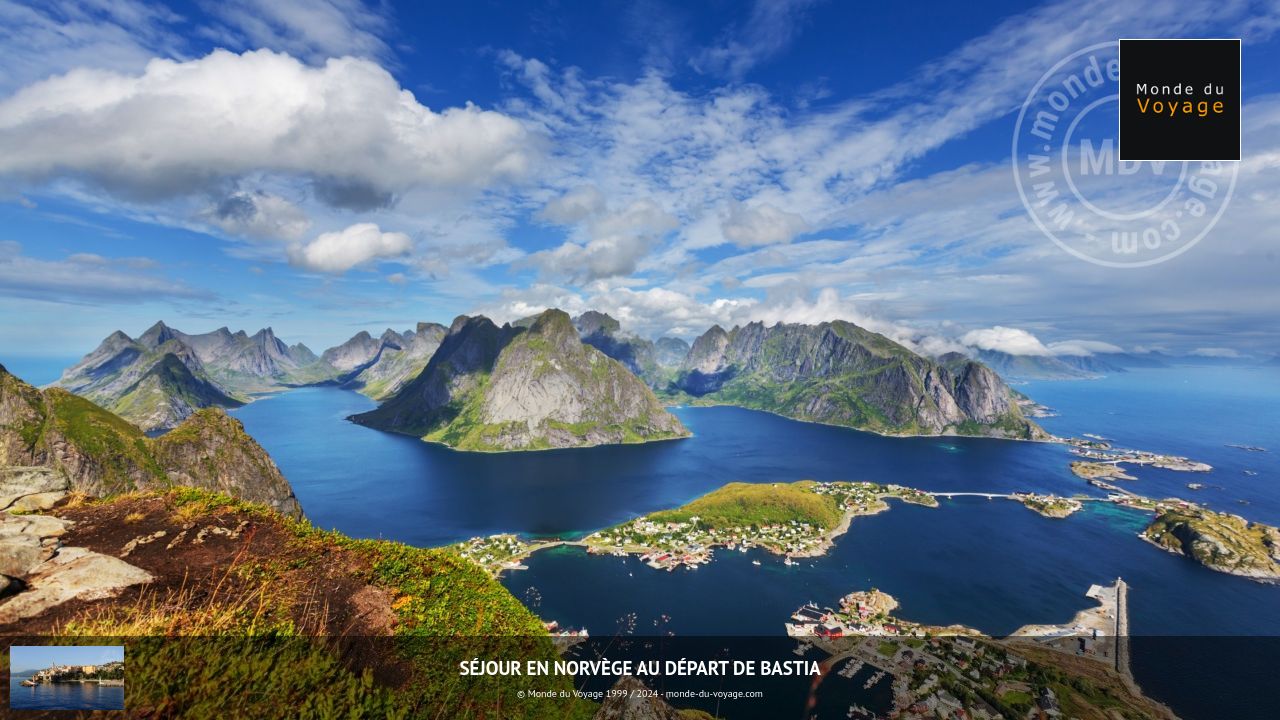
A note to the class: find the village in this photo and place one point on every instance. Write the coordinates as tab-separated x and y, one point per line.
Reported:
111	673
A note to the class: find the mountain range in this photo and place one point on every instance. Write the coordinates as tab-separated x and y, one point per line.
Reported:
379	368
550	381
525	386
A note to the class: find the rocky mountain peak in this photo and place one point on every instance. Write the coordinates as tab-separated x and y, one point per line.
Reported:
592	322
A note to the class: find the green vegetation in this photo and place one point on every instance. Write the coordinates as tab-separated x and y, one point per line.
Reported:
756	505
1223	542
254	642
119	449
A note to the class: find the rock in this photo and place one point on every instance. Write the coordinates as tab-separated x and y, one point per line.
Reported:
26	541
74	573
841	374
634	704
524	388
31	488
52	441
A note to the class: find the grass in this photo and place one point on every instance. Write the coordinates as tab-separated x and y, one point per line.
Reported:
216	646
756	504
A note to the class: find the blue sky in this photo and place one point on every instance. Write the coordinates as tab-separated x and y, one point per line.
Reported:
330	166
38	657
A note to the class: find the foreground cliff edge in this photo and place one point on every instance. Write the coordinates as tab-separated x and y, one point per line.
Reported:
229	609
491	388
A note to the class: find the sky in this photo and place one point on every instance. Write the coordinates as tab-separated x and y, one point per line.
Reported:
39	657
332	166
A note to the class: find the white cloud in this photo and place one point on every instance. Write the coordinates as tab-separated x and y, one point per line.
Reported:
1216	352
1005	339
607	243
338	252
770	28
314	30
85	278
258	215
762	224
186	127
1083	348
574	206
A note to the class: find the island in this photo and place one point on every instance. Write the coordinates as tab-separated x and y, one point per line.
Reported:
1050	506
1219	541
1094	470
799	519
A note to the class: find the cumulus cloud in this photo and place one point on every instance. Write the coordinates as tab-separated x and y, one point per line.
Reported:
1005	339
340	251
762	224
608	243
574	206
184	127
258	215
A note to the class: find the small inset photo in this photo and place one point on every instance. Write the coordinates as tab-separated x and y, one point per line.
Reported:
66	677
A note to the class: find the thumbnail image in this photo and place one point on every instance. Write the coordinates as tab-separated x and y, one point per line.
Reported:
66	677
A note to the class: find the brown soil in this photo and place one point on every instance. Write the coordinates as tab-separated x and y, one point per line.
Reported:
329	587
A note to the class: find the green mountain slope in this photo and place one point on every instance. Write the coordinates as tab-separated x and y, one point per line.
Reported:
98	453
516	388
841	374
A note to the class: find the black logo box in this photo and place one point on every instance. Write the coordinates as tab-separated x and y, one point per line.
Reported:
1187	68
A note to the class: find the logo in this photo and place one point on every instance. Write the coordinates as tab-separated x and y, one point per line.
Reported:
1069	175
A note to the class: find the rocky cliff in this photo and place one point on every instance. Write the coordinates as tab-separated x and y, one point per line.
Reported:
1219	541
647	360
379	368
839	373
61	442
517	388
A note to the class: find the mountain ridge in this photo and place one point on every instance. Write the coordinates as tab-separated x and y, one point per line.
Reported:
523	388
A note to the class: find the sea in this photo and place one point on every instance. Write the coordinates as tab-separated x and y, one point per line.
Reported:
1205	643
64	696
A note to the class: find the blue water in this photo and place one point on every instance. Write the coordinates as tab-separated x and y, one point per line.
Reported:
37	370
993	565
65	696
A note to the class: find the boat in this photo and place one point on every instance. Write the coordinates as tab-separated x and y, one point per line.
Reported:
29	682
755	562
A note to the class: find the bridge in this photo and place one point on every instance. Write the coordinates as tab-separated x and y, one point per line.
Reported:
989	496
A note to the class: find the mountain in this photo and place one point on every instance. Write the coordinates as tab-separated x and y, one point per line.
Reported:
670	352
650	361
1037	367
379	368
53	435
165	375
841	374
518	388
